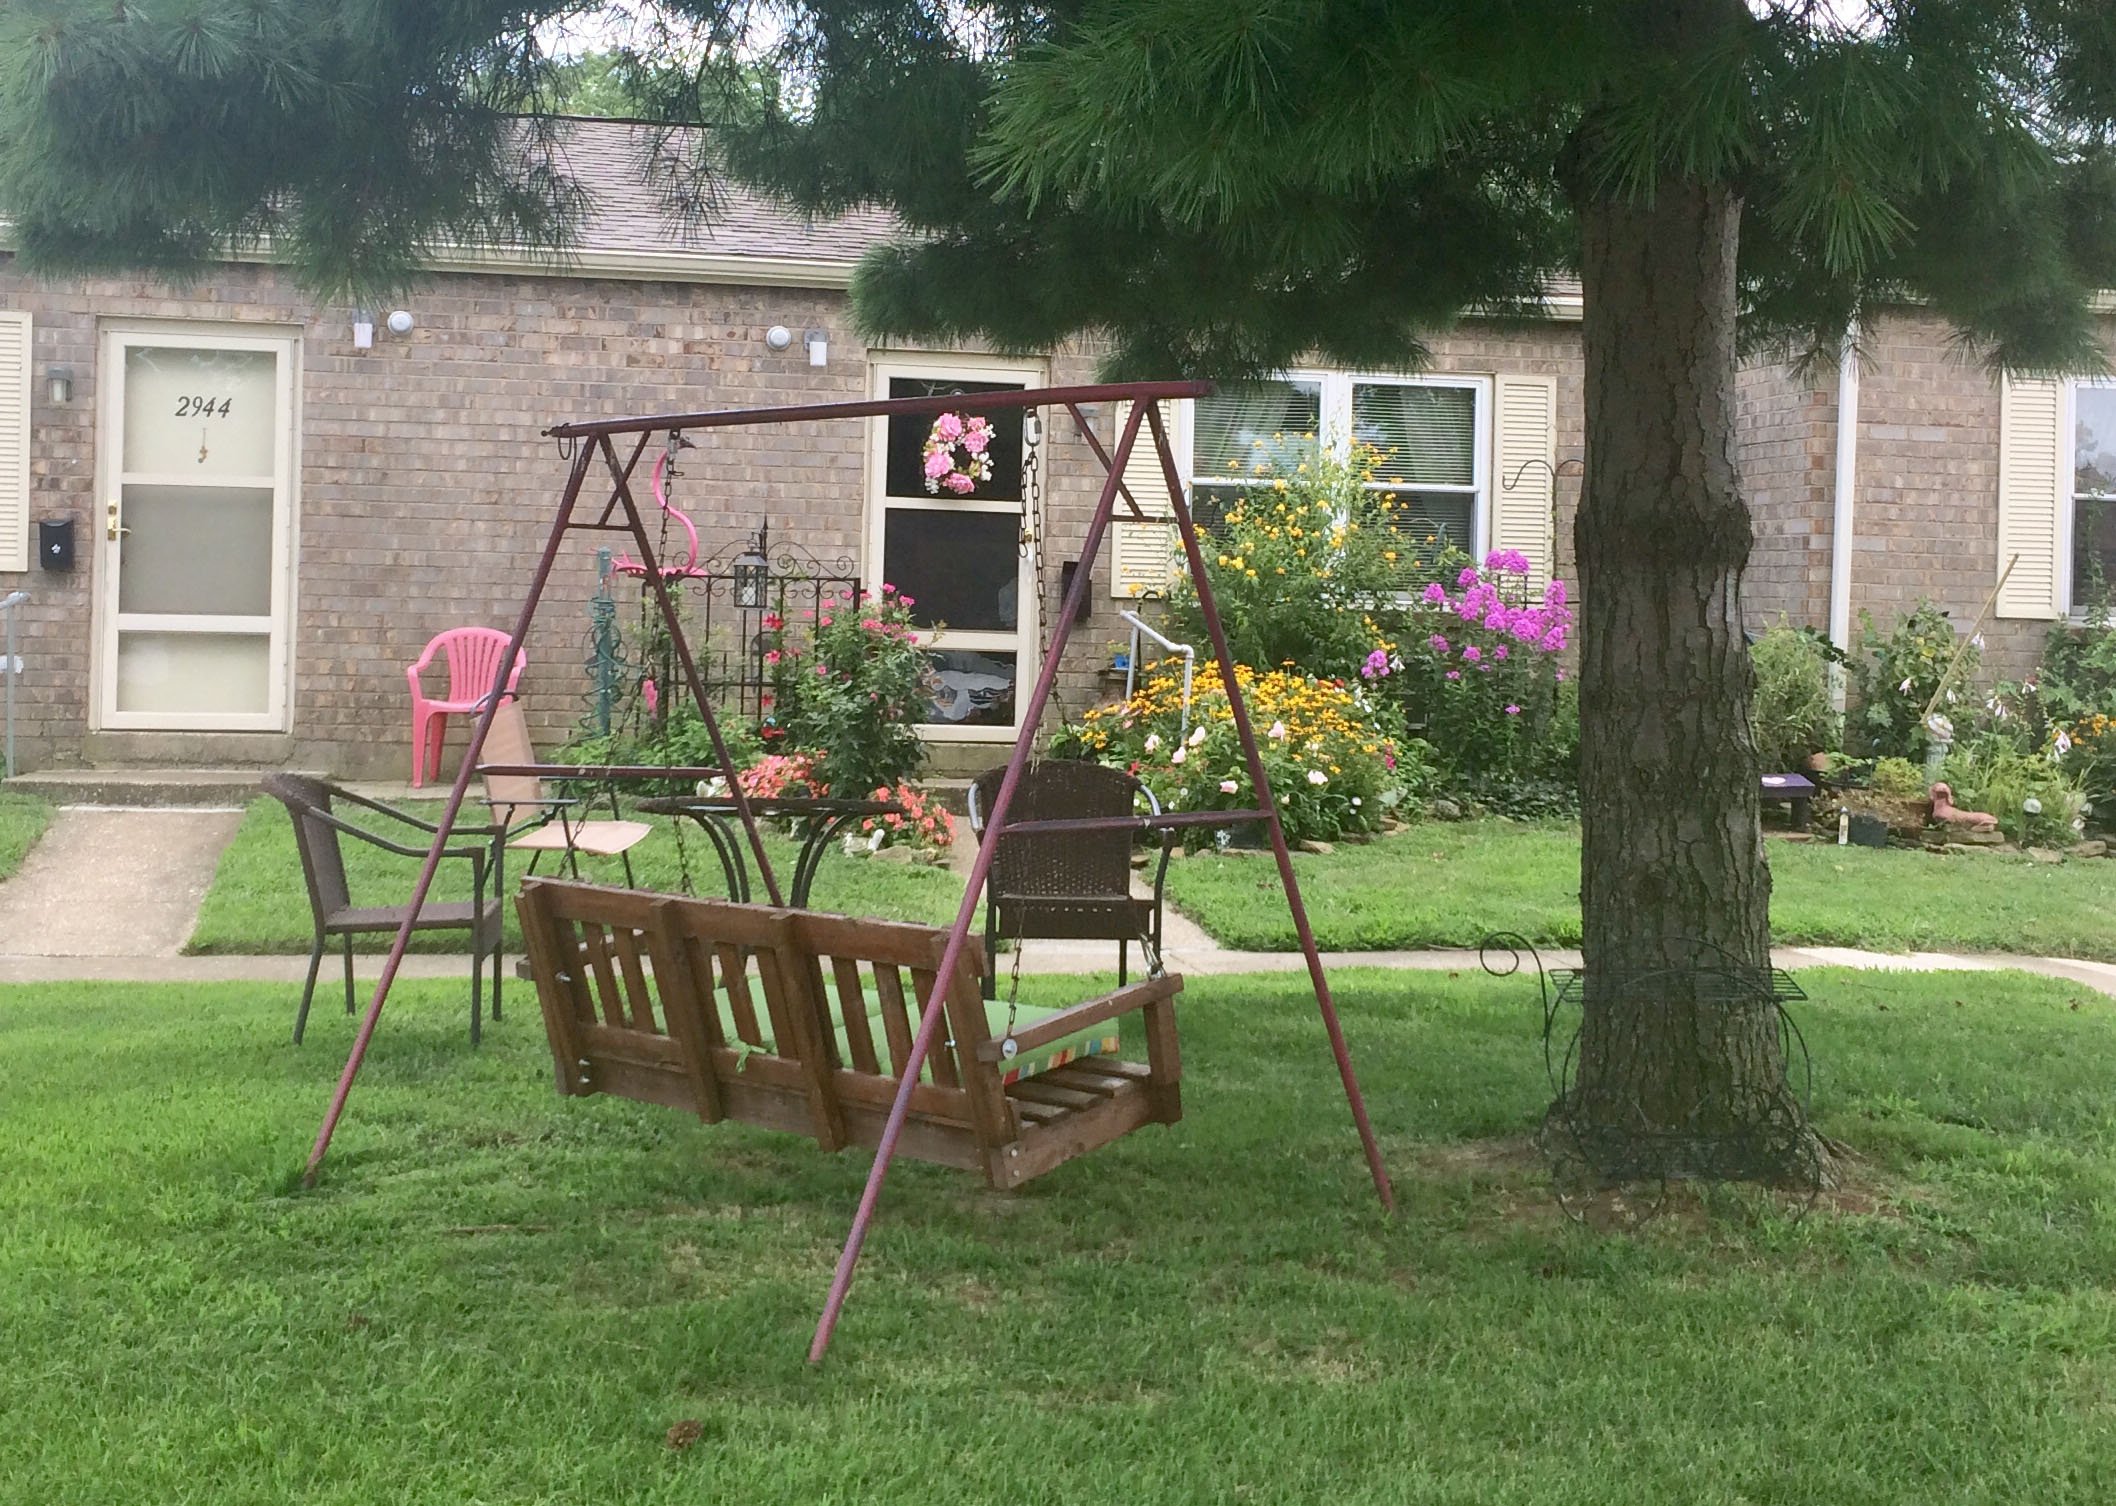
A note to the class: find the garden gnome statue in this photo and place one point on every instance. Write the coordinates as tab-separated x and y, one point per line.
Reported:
1944	812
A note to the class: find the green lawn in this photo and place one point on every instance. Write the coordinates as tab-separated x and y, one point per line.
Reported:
501	1296
22	820
1449	884
257	903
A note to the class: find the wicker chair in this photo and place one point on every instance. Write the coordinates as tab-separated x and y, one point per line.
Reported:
1068	885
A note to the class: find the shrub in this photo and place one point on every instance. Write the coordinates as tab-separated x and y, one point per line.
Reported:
1296	563
852	694
674	739
1792	713
1898	777
1898	675
925	826
1336	759
1478	672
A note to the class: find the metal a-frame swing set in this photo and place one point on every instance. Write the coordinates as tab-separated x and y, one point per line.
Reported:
617	446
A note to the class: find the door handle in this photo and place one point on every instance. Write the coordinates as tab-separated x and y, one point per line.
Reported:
110	523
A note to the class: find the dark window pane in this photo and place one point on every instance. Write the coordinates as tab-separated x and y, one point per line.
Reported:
2093	549
973	689
1433	522
905	474
960	569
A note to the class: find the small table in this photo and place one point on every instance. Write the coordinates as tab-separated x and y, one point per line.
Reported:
829	818
1793	789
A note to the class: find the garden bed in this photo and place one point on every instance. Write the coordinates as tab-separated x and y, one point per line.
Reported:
501	1295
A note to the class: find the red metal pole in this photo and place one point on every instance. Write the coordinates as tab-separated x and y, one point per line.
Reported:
1244	730
973	891
652	567
448	819
884	407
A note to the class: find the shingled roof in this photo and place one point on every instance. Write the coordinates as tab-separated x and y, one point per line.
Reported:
612	161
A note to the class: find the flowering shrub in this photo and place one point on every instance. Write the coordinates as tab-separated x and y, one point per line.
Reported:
1298	562
955	454
1335	757
853	693
925	826
781	776
1898	675
1478	670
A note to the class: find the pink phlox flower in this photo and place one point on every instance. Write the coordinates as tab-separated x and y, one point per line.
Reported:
1468	577
1513	710
1437	644
1561	675
1554	640
1377	663
1435	594
1454	674
1499	653
1512	561
1554	593
1472	654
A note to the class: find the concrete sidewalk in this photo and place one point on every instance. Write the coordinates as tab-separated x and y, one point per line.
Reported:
1038	957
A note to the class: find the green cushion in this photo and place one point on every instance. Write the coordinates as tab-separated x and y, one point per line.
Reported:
1098	1040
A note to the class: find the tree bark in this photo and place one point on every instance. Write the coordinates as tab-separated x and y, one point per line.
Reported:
1673	877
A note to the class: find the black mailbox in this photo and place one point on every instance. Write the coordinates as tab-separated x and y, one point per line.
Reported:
55	543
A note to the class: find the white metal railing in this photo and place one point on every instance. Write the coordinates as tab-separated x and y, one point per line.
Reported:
1140	626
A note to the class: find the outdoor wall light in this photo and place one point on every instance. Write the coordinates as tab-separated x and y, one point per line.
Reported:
400	322
818	347
363	330
58	383
778	337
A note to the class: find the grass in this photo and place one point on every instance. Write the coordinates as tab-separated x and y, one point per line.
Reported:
503	1296
1449	884
257	903
22	821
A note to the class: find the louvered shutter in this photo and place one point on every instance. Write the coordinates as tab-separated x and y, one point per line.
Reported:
1145	557
2032	496
15	372
1524	480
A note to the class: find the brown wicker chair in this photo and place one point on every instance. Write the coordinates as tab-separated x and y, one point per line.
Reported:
317	828
1068	885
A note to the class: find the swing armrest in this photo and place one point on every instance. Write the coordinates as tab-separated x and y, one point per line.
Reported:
1081	1016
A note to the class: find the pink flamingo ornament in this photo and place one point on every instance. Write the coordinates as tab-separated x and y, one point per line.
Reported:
1945	812
624	564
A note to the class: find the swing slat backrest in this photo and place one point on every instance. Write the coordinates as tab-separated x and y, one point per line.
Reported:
805	1022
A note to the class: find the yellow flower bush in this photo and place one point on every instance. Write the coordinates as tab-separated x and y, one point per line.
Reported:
1337	761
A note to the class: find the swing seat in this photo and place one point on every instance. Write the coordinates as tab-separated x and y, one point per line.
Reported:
801	1022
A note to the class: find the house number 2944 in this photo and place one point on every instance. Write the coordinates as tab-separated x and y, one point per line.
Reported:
203	407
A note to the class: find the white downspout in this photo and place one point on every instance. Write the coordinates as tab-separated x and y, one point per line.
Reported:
1842	536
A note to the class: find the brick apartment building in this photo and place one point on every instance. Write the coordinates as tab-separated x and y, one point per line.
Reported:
270	516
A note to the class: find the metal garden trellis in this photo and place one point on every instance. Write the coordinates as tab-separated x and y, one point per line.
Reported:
595	440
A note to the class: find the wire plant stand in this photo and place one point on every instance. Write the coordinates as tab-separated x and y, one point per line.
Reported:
1768	1142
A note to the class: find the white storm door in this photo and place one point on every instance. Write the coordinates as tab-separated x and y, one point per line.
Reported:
193	530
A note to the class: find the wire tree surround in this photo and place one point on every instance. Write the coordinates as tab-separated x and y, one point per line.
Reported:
601	442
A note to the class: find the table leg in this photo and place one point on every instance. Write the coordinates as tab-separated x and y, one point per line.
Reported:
1800	814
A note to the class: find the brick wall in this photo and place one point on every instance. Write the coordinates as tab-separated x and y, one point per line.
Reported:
1785	436
425	489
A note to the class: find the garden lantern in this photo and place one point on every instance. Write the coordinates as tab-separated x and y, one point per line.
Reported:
753	575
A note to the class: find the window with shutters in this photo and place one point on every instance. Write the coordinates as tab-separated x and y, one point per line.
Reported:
1430	435
2093	490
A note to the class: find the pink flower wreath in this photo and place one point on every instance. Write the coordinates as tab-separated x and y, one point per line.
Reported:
956	455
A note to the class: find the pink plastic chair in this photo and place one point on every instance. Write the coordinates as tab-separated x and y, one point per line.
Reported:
473	655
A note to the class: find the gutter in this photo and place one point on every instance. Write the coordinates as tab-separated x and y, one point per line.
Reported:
1842	535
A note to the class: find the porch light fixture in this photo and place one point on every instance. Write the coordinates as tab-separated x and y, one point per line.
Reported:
778	337
752	577
818	345
58	383
363	330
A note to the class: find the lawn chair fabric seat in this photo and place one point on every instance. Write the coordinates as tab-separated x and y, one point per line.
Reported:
318	827
1069	886
537	822
795	1020
473	657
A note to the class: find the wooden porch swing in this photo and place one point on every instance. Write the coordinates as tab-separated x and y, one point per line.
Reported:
830	1026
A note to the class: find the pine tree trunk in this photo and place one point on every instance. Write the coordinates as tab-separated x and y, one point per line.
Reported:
1673	876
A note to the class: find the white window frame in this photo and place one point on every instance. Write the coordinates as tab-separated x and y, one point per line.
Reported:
2068	514
1025	638
280	622
1334	435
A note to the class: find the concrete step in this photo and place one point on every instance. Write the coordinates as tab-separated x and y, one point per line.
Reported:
148	788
